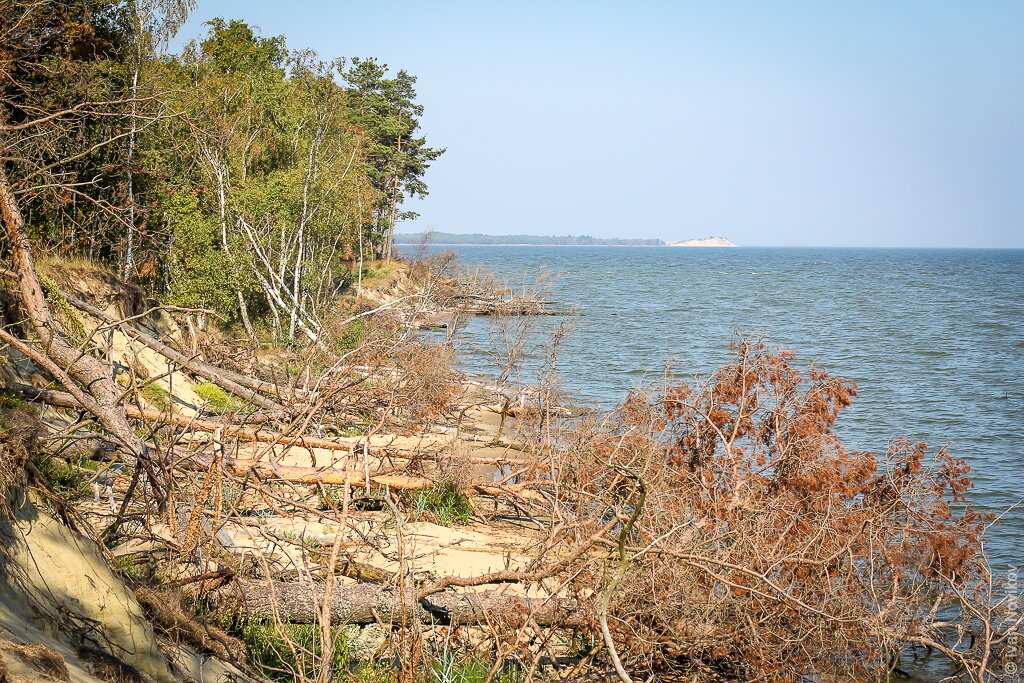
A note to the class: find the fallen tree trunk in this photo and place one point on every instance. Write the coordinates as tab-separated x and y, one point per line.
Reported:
243	386
303	475
229	429
247	388
335	477
78	371
370	604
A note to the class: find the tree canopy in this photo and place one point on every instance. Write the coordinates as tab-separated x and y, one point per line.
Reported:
240	175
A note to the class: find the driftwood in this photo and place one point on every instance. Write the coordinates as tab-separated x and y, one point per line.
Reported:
302	602
335	477
308	475
230	429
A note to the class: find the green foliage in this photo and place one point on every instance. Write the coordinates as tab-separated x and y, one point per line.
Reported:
218	400
350	335
213	394
68	315
234	47
444	502
233	498
329	498
62	477
467	668
156	396
274	174
19	434
8	402
298	538
200	273
133	568
385	109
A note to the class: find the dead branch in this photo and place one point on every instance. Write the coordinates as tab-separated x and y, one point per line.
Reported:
84	374
228	428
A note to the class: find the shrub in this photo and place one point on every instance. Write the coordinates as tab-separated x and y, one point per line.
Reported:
349	336
290	652
753	545
465	668
61	477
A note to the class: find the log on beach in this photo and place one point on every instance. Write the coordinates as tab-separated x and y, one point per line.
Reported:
302	602
234	428
296	474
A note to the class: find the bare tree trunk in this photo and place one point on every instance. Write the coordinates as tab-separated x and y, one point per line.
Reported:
88	372
394	208
370	604
243	310
129	257
235	429
243	386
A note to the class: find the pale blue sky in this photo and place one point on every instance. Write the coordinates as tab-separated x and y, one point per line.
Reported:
888	123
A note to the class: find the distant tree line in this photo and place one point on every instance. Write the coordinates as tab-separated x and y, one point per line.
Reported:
567	240
239	175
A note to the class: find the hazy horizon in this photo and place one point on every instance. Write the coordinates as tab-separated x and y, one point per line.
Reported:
411	233
770	123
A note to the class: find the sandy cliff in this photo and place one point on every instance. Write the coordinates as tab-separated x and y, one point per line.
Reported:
709	242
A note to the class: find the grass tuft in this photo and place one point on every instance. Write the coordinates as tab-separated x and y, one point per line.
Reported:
217	398
444	502
156	396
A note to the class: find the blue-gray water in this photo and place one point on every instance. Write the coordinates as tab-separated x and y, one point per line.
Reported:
933	337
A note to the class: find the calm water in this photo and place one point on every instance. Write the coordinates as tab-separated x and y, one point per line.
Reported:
933	337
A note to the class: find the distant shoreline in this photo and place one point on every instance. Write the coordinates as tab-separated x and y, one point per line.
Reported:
451	239
747	246
524	244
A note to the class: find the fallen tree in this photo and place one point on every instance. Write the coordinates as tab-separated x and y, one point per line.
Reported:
243	386
295	474
81	374
228	428
302	602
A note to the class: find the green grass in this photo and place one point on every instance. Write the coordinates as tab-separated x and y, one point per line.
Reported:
8	401
217	398
156	396
151	392
444	502
61	477
132	569
290	652
353	430
298	538
468	667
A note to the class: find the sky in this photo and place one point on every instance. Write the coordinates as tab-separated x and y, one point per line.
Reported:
778	123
